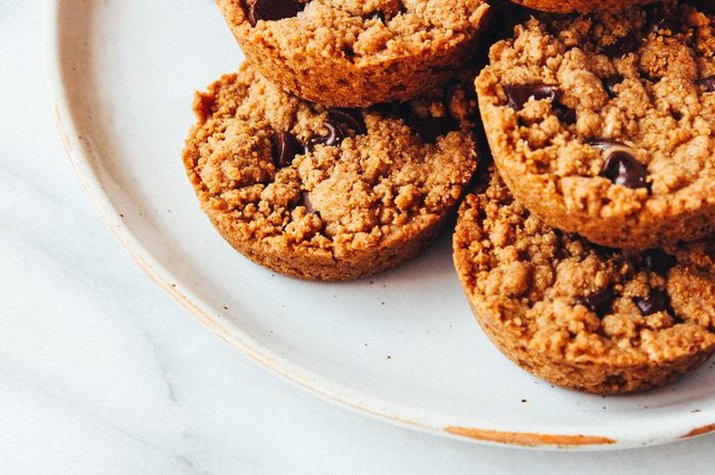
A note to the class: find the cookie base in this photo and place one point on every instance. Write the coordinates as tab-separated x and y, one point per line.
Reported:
325	266
589	377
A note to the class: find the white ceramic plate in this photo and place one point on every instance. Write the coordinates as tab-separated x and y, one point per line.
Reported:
402	346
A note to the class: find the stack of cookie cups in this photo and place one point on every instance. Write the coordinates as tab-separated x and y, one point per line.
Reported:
345	141
587	254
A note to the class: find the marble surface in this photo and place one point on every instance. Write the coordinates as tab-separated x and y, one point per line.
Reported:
100	372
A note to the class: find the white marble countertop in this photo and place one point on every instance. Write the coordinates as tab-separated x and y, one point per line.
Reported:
101	372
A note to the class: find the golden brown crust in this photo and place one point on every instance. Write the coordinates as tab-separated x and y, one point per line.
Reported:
337	54
336	212
532	290
652	94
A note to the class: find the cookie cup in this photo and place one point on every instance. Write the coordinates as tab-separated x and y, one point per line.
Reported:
579	316
326	194
336	57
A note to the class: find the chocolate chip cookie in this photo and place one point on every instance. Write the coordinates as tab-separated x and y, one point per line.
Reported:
580	315
355	53
570	6
328	193
604	124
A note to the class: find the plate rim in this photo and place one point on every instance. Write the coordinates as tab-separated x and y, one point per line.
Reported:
80	158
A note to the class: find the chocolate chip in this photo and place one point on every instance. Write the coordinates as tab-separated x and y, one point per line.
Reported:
623	169
620	167
520	94
339	121
604	143
565	114
657	301
285	148
658	261
335	133
430	128
352	118
599	302
378	16
334	137
622	46
271	10
610	82
708	83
